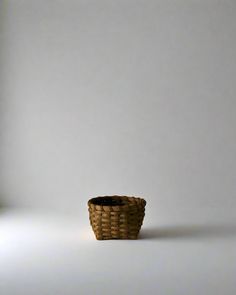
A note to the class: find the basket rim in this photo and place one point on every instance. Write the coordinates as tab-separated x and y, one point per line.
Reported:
127	201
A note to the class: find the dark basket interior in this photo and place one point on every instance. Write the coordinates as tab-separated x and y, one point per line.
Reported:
108	201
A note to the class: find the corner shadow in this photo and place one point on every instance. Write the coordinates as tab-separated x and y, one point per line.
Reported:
3	205
192	231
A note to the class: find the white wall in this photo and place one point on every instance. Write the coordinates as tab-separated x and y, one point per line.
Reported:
118	97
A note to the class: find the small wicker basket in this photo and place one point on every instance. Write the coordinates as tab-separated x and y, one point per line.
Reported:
116	217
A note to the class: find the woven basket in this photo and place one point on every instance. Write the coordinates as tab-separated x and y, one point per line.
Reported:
116	217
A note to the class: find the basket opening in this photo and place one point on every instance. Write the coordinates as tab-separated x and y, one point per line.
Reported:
108	201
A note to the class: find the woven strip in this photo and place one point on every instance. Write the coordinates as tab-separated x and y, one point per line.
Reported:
116	217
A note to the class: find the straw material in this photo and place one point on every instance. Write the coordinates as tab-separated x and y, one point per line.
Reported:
116	217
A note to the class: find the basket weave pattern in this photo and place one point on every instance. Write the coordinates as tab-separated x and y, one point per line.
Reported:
116	217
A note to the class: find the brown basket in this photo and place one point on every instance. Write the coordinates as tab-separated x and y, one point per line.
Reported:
116	217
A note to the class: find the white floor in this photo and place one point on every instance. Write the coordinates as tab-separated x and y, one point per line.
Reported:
42	254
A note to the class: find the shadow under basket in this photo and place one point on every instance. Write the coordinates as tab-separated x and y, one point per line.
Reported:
116	217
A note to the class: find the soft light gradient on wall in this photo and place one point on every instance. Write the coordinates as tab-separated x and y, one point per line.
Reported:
118	97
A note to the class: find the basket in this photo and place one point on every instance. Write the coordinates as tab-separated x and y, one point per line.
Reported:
116	217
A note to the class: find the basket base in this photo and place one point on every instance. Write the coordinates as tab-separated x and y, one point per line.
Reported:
118	238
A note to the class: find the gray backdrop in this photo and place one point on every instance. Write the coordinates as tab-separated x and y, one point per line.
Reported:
118	97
